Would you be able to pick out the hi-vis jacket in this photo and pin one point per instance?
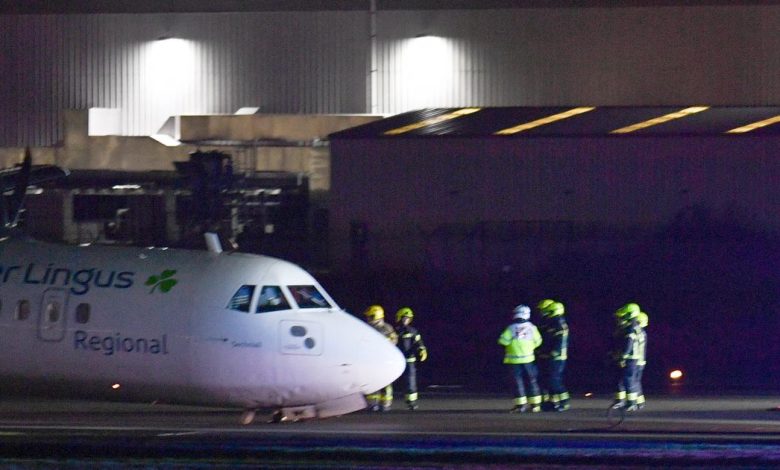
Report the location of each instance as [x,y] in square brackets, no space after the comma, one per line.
[519,340]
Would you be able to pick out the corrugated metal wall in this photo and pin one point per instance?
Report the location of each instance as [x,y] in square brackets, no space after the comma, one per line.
[716,55]
[303,62]
[318,62]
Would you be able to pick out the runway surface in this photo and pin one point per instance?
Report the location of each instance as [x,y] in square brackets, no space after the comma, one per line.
[446,432]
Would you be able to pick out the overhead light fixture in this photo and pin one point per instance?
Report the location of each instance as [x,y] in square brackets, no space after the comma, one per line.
[431,121]
[426,71]
[661,119]
[544,121]
[754,126]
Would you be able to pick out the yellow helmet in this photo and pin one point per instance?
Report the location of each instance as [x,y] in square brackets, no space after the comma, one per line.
[374,313]
[642,319]
[627,312]
[404,312]
[554,310]
[545,304]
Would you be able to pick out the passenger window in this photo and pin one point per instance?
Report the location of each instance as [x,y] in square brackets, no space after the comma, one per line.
[308,297]
[23,310]
[82,313]
[242,298]
[53,312]
[271,300]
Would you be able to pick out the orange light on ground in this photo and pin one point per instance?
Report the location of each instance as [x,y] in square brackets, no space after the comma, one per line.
[589,394]
[116,386]
[675,374]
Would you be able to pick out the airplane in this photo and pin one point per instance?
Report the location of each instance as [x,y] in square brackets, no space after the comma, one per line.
[212,327]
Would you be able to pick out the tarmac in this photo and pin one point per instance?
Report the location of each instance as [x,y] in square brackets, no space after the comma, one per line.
[447,431]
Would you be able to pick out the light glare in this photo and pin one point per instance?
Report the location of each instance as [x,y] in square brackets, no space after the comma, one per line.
[169,76]
[427,70]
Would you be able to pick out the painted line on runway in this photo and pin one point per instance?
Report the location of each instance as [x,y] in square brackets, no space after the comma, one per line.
[273,430]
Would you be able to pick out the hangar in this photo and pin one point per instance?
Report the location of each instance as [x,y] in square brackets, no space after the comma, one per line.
[488,188]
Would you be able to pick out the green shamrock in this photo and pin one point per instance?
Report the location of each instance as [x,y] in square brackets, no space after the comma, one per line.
[165,281]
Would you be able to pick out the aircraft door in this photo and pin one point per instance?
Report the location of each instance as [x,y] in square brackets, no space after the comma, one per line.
[51,319]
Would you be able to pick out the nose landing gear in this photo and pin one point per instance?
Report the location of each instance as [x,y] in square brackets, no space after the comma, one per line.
[248,416]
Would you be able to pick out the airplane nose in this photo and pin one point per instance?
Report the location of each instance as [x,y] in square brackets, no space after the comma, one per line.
[385,362]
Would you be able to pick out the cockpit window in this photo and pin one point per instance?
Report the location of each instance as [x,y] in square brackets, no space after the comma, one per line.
[308,297]
[271,300]
[242,299]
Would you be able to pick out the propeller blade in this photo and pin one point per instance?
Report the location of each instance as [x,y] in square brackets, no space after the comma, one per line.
[20,189]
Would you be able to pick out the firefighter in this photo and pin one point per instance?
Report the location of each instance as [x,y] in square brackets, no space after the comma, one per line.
[382,399]
[555,335]
[642,321]
[629,352]
[520,339]
[411,345]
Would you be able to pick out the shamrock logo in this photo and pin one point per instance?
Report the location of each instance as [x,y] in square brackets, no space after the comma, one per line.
[164,281]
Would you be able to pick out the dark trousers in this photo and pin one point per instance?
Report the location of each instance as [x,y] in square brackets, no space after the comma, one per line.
[627,384]
[554,381]
[638,383]
[527,372]
[411,382]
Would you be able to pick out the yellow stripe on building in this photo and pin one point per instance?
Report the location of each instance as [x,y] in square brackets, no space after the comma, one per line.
[754,126]
[431,121]
[544,121]
[661,119]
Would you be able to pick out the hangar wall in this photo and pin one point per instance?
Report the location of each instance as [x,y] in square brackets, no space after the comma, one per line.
[710,55]
[405,192]
[320,62]
[282,62]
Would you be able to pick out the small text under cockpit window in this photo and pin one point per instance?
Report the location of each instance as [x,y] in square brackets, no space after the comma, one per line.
[308,297]
[242,298]
[271,300]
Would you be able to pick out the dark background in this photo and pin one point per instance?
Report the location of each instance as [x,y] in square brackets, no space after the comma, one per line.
[709,287]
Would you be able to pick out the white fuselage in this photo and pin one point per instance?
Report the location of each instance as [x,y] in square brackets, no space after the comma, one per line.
[179,326]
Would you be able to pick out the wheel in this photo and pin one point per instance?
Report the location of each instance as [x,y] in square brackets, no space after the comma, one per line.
[277,417]
[247,417]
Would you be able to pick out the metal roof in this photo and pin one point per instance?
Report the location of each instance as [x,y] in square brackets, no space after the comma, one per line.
[188,6]
[574,121]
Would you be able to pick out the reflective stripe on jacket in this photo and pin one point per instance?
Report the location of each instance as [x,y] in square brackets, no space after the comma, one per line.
[410,342]
[634,343]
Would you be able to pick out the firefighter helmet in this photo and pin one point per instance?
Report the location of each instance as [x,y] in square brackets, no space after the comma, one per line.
[374,313]
[554,310]
[627,312]
[404,312]
[642,319]
[545,304]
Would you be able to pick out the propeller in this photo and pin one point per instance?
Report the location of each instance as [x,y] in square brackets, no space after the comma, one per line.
[16,180]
